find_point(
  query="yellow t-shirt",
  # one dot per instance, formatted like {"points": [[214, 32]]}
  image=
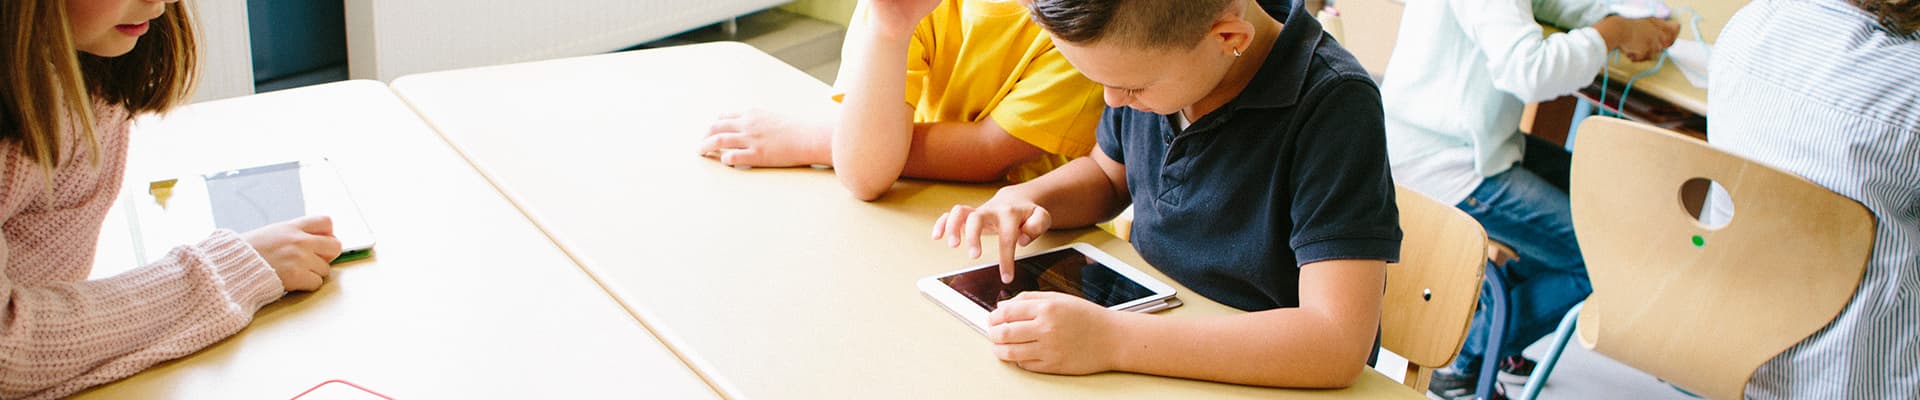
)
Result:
{"points": [[970, 60]]}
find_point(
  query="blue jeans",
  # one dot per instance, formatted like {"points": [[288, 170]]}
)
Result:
{"points": [[1526, 208]]}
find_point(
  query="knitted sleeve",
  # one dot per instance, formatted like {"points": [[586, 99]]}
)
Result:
{"points": [[59, 338]]}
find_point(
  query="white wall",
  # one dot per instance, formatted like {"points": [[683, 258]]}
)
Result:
{"points": [[390, 38], [226, 60]]}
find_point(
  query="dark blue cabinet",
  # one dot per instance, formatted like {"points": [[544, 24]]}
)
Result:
{"points": [[295, 37]]}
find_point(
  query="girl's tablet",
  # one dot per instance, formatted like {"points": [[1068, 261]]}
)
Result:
{"points": [[1077, 269], [185, 209]]}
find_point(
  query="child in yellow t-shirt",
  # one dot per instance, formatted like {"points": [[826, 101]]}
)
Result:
{"points": [[987, 98]]}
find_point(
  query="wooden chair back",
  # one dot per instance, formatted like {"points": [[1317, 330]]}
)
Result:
{"points": [[1704, 307], [1368, 28], [1431, 293]]}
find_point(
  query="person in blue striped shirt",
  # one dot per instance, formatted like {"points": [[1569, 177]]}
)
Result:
{"points": [[1826, 89]]}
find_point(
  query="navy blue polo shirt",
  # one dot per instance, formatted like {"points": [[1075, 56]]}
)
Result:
{"points": [[1290, 172]]}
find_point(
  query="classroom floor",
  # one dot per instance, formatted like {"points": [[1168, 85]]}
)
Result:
{"points": [[1581, 375]]}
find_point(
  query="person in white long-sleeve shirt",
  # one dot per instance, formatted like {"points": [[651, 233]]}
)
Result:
{"points": [[1461, 72]]}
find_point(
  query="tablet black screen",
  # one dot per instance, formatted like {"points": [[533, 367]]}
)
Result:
{"points": [[1065, 271]]}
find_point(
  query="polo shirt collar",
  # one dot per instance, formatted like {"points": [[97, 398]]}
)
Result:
{"points": [[1285, 70]]}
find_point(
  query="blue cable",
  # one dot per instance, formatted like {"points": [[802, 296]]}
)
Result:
{"points": [[1612, 57], [1636, 78]]}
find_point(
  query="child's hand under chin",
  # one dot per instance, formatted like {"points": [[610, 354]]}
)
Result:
{"points": [[897, 17]]}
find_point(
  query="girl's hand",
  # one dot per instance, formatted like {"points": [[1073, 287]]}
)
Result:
{"points": [[298, 250], [1017, 221], [896, 18], [1054, 333]]}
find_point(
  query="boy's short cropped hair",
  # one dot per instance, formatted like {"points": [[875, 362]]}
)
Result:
{"points": [[1158, 24]]}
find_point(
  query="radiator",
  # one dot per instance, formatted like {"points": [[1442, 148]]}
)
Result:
{"points": [[390, 38]]}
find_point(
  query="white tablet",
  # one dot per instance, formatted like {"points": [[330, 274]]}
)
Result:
{"points": [[1077, 269], [184, 210]]}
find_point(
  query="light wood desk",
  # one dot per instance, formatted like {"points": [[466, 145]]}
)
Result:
{"points": [[462, 299], [1669, 83], [774, 283]]}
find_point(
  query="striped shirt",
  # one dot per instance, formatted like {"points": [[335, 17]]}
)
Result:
{"points": [[1818, 88]]}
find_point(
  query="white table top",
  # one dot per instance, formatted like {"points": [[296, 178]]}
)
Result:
{"points": [[774, 283], [463, 297]]}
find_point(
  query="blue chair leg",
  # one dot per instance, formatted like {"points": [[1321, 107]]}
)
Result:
{"points": [[1496, 332], [1581, 110], [1561, 336]]}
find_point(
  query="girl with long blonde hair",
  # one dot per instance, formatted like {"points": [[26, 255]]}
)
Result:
{"points": [[75, 73]]}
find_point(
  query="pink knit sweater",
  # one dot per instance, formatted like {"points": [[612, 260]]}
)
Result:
{"points": [[60, 333]]}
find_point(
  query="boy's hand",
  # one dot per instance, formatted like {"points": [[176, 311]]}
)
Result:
{"points": [[298, 250], [758, 138], [1640, 39], [896, 18], [1017, 221], [1054, 333]]}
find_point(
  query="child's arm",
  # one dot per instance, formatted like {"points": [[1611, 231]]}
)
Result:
{"points": [[964, 152], [1083, 192], [949, 151], [1569, 14], [1538, 69], [1321, 344], [871, 143], [58, 338]]}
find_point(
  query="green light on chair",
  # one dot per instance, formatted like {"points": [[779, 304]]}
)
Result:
{"points": [[1699, 241]]}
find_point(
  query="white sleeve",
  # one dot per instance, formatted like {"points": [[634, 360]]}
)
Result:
{"points": [[1520, 61]]}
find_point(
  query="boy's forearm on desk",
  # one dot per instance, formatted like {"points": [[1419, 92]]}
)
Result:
{"points": [[1323, 344]]}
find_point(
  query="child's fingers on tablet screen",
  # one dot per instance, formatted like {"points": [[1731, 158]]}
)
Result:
{"points": [[1008, 235]]}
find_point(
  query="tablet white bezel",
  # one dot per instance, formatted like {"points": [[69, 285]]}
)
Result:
{"points": [[976, 316], [188, 217]]}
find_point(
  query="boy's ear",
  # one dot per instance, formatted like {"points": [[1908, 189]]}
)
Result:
{"points": [[1232, 31]]}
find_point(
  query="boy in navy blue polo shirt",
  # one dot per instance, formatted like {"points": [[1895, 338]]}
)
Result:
{"points": [[1254, 156]]}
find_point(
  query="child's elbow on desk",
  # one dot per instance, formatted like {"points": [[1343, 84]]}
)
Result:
{"points": [[1319, 371], [865, 189], [1339, 375]]}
